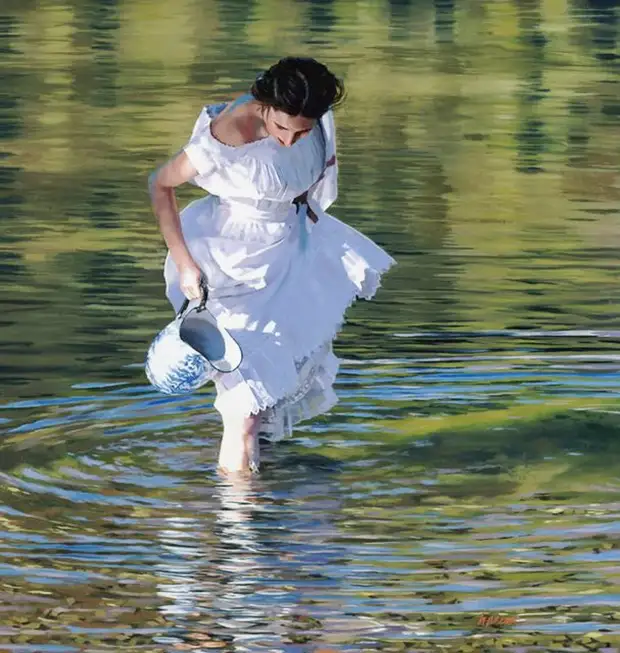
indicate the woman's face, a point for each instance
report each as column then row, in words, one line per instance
column 286, row 129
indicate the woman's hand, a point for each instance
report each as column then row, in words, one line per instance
column 190, row 276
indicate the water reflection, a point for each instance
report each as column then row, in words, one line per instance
column 469, row 467
column 97, row 80
column 442, row 186
column 605, row 24
column 11, row 264
column 247, row 577
column 444, row 20
column 532, row 142
column 112, row 510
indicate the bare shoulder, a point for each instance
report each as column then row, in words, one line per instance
column 234, row 126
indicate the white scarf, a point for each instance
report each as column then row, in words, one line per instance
column 325, row 191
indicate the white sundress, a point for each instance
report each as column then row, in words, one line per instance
column 277, row 281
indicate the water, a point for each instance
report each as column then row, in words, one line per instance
column 470, row 469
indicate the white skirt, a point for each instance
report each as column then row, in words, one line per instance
column 281, row 285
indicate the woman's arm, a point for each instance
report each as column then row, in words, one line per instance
column 162, row 183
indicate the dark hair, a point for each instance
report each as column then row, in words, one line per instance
column 299, row 86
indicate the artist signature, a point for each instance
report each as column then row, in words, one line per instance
column 495, row 620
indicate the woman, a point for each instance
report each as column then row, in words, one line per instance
column 280, row 271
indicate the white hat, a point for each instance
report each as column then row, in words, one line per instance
column 190, row 351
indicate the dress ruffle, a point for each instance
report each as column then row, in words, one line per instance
column 314, row 396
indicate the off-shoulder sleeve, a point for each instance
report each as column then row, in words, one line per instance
column 198, row 149
column 253, row 172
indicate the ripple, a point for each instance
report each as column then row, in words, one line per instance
column 469, row 469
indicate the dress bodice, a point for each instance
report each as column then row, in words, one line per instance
column 264, row 174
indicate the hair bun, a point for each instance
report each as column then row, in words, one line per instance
column 299, row 86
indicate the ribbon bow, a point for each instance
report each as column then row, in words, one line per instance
column 302, row 199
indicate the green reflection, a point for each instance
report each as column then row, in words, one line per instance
column 462, row 474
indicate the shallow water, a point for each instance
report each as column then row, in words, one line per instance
column 470, row 469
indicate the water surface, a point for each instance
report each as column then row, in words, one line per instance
column 470, row 468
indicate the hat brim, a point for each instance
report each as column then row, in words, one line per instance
column 200, row 330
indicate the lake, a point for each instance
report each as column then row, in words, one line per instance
column 464, row 495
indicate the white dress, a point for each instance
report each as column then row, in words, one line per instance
column 277, row 281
